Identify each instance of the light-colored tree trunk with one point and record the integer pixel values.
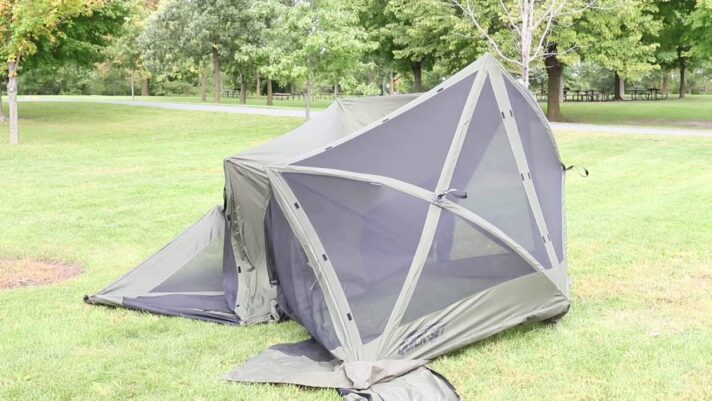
(133, 84)
(336, 90)
(2, 109)
(204, 86)
(618, 87)
(393, 84)
(554, 71)
(269, 91)
(666, 82)
(682, 78)
(217, 77)
(243, 89)
(12, 101)
(258, 86)
(308, 98)
(145, 91)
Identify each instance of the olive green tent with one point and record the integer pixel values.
(395, 229)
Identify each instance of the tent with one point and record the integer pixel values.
(394, 229)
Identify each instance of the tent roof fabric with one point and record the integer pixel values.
(395, 229)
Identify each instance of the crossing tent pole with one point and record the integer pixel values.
(515, 142)
(334, 294)
(434, 212)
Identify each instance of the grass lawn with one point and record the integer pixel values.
(104, 186)
(695, 111)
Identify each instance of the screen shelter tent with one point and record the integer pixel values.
(395, 229)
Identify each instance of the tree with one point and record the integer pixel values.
(610, 35)
(27, 26)
(191, 31)
(517, 30)
(125, 50)
(686, 36)
(318, 39)
(417, 30)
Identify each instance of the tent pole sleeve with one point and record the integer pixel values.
(334, 294)
(515, 142)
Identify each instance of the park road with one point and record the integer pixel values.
(284, 112)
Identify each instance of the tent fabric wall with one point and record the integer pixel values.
(395, 229)
(487, 101)
(185, 278)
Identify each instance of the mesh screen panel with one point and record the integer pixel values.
(543, 162)
(370, 233)
(463, 260)
(488, 172)
(298, 285)
(204, 272)
(411, 147)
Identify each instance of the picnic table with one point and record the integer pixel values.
(647, 94)
(231, 93)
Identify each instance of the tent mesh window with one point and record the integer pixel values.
(370, 233)
(463, 260)
(411, 148)
(204, 272)
(543, 162)
(488, 172)
(299, 287)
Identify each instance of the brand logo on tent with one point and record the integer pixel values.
(418, 338)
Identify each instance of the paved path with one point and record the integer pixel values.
(264, 111)
(629, 129)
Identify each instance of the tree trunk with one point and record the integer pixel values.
(204, 86)
(12, 101)
(258, 86)
(269, 91)
(618, 87)
(393, 84)
(133, 84)
(308, 98)
(243, 89)
(336, 90)
(554, 72)
(216, 72)
(682, 78)
(666, 82)
(144, 87)
(417, 76)
(2, 110)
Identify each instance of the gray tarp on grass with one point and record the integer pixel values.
(394, 229)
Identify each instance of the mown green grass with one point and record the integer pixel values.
(694, 111)
(104, 186)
